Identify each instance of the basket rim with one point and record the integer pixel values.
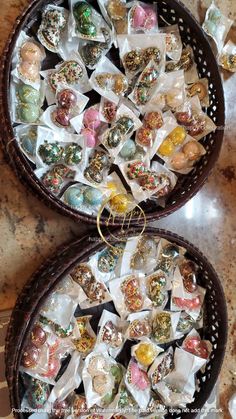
(21, 165)
(13, 355)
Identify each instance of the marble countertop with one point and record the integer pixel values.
(30, 232)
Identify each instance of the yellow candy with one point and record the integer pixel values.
(113, 188)
(120, 203)
(145, 354)
(166, 148)
(177, 136)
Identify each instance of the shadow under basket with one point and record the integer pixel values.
(170, 12)
(65, 259)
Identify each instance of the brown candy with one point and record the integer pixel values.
(140, 328)
(30, 356)
(111, 335)
(94, 290)
(199, 89)
(38, 336)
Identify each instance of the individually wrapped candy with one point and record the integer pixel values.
(124, 400)
(227, 58)
(97, 168)
(145, 181)
(95, 290)
(129, 294)
(79, 406)
(201, 89)
(85, 343)
(36, 395)
(111, 332)
(147, 134)
(140, 325)
(84, 198)
(161, 367)
(109, 81)
(145, 352)
(136, 57)
(92, 52)
(142, 18)
(43, 354)
(164, 325)
(170, 91)
(68, 382)
(26, 136)
(137, 382)
(125, 124)
(186, 294)
(56, 177)
(139, 255)
(216, 25)
(173, 42)
(168, 255)
(85, 22)
(90, 125)
(172, 396)
(197, 123)
(115, 13)
(108, 110)
(71, 72)
(51, 149)
(145, 86)
(198, 348)
(101, 376)
(27, 58)
(157, 285)
(26, 103)
(185, 156)
(108, 260)
(120, 202)
(64, 115)
(52, 30)
(155, 408)
(186, 63)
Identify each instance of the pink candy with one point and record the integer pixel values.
(92, 119)
(138, 377)
(144, 18)
(90, 137)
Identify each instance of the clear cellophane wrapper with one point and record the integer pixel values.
(63, 36)
(111, 332)
(217, 26)
(227, 58)
(140, 325)
(138, 384)
(173, 42)
(143, 26)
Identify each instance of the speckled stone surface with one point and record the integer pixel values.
(30, 232)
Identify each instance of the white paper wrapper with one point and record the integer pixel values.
(227, 57)
(63, 34)
(140, 43)
(170, 91)
(183, 379)
(205, 102)
(130, 250)
(97, 20)
(178, 291)
(144, 26)
(123, 111)
(173, 42)
(144, 317)
(216, 25)
(21, 131)
(69, 381)
(107, 321)
(102, 368)
(84, 207)
(15, 104)
(173, 334)
(161, 367)
(105, 66)
(16, 60)
(138, 384)
(171, 397)
(200, 349)
(82, 84)
(119, 297)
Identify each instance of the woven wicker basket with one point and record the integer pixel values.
(54, 269)
(171, 12)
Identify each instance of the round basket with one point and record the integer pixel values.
(48, 276)
(170, 12)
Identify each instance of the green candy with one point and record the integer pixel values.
(28, 94)
(83, 15)
(50, 153)
(87, 28)
(27, 112)
(73, 154)
(28, 142)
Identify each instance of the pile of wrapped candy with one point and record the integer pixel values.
(136, 356)
(144, 130)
